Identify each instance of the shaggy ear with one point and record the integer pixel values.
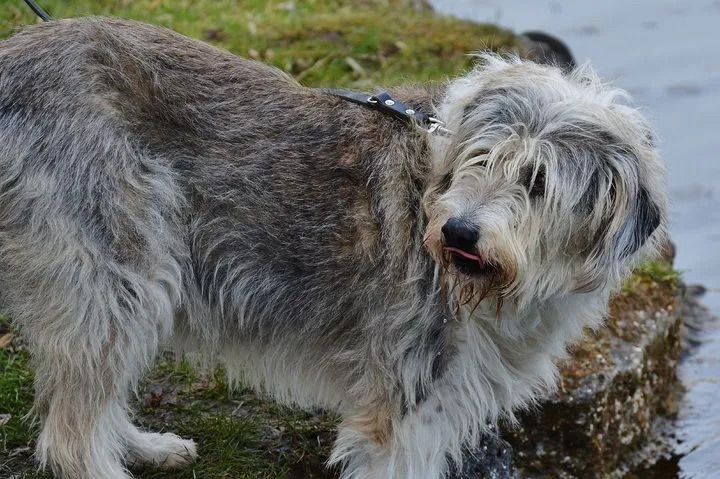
(645, 218)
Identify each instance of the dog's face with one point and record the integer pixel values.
(549, 184)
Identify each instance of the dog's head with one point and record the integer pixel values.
(549, 185)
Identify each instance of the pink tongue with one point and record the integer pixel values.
(464, 254)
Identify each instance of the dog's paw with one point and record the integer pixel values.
(167, 451)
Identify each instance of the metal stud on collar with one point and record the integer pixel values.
(438, 127)
(385, 104)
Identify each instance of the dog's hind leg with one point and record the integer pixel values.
(89, 348)
(90, 343)
(93, 282)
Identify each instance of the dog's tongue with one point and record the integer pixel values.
(465, 254)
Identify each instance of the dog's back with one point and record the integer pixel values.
(75, 189)
(111, 130)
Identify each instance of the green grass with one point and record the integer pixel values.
(242, 434)
(16, 435)
(658, 271)
(312, 39)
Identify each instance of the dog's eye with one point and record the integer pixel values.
(538, 187)
(481, 163)
(445, 182)
(482, 153)
(536, 184)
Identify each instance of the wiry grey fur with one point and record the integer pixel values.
(156, 190)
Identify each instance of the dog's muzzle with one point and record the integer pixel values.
(460, 244)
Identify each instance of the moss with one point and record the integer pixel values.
(651, 289)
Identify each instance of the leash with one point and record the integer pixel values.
(38, 10)
(384, 103)
(381, 102)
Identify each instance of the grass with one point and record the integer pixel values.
(16, 435)
(348, 43)
(658, 271)
(330, 42)
(240, 434)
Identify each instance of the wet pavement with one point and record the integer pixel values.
(667, 55)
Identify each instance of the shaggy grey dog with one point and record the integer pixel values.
(156, 190)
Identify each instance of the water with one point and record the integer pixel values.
(667, 55)
(699, 419)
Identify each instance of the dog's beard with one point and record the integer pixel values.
(469, 280)
(466, 292)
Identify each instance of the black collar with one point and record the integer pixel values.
(384, 103)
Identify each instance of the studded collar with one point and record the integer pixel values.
(384, 103)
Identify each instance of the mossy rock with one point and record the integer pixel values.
(618, 383)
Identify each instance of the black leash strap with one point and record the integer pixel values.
(38, 10)
(384, 103)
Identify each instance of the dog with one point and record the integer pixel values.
(157, 191)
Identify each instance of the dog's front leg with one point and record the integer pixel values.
(435, 438)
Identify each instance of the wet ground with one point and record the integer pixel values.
(667, 55)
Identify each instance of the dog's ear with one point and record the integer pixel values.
(643, 220)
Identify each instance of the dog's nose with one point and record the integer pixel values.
(460, 234)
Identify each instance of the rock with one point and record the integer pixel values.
(695, 315)
(493, 459)
(618, 383)
(421, 5)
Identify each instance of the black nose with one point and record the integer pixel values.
(460, 234)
